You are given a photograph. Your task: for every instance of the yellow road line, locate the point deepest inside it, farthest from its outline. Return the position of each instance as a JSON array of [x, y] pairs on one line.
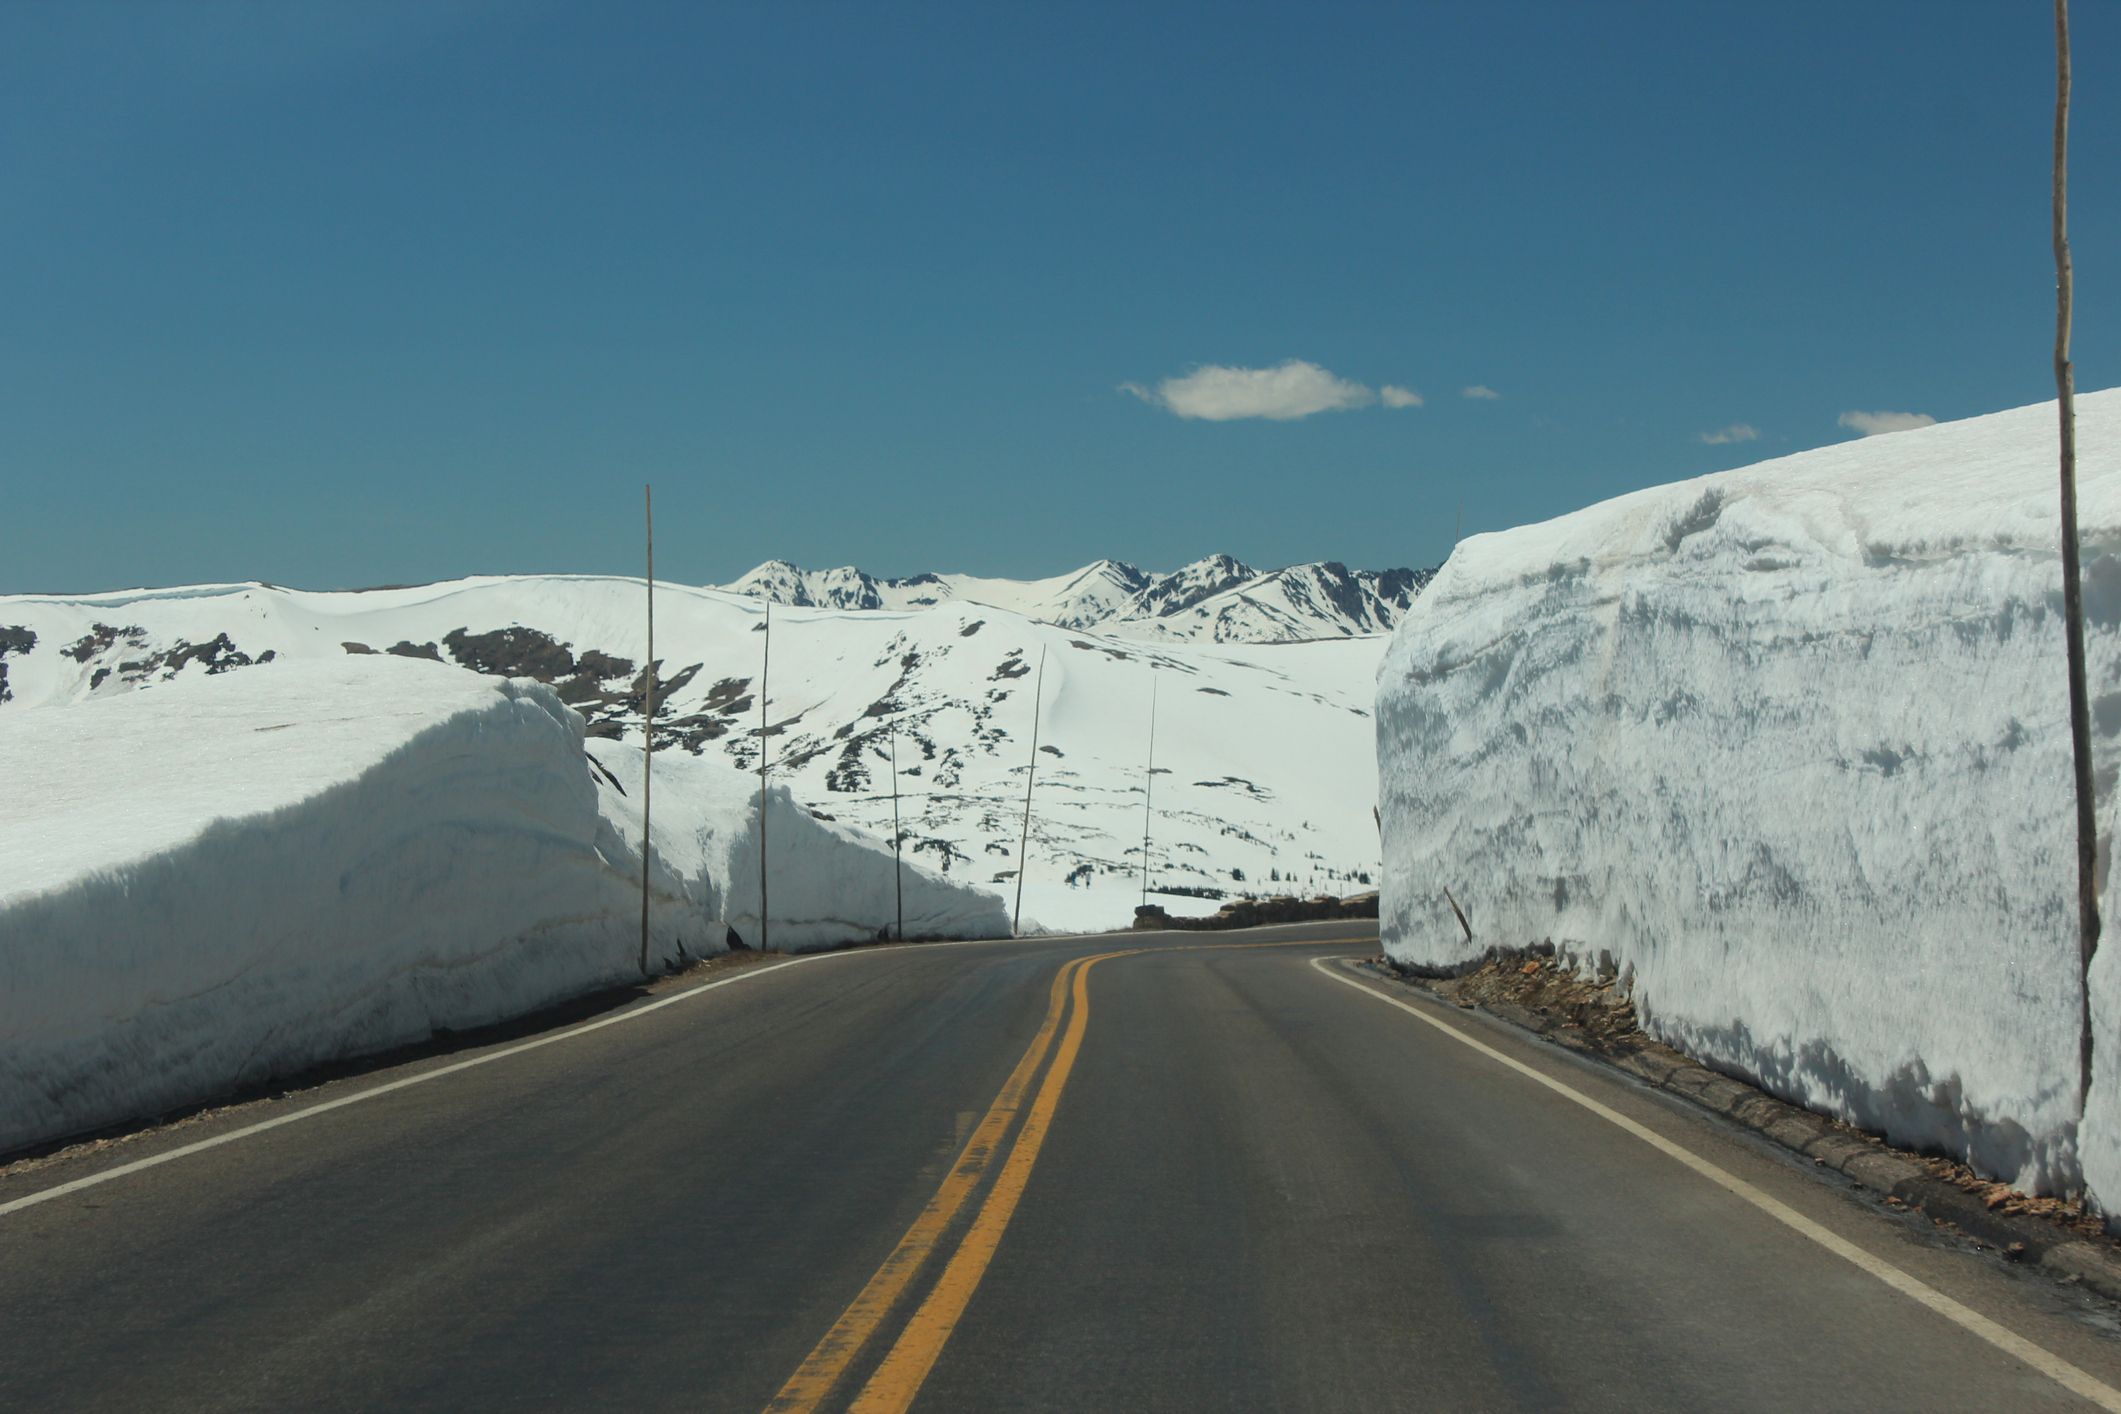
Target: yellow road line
[[311, 1112], [892, 1388], [1294, 943], [815, 1377], [2053, 1366], [899, 1378]]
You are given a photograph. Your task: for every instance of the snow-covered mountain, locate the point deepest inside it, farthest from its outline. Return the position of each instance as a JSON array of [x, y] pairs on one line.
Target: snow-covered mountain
[[1082, 599], [1215, 600], [1265, 764]]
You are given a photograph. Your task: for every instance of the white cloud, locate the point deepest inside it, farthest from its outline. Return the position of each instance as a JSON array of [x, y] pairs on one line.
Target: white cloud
[[1481, 391], [1397, 397], [1218, 394], [1736, 432], [1870, 424]]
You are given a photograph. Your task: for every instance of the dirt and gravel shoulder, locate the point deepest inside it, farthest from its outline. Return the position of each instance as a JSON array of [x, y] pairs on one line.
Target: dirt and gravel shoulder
[[1595, 1017]]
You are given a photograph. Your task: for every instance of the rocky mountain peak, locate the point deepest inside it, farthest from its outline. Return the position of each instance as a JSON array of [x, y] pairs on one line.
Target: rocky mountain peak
[[1218, 598]]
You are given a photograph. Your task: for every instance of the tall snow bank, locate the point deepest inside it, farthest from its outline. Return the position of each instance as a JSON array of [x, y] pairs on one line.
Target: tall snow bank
[[1791, 744], [225, 878], [234, 877]]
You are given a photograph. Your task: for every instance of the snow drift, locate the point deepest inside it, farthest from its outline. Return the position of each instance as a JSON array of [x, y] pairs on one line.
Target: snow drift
[[225, 878], [1791, 744]]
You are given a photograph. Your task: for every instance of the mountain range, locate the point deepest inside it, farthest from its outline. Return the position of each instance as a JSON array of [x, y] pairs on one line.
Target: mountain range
[[1214, 600]]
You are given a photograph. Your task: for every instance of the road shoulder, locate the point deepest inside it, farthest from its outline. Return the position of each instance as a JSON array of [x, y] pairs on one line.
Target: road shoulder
[[1592, 1020]]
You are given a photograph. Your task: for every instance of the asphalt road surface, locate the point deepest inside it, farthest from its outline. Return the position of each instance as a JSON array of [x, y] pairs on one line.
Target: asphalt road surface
[[1201, 1174]]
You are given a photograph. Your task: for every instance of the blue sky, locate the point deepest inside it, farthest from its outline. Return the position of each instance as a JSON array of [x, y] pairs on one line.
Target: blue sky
[[352, 294]]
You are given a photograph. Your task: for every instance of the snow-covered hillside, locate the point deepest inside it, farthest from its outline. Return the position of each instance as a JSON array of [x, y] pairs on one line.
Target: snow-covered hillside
[[1265, 766], [1790, 742], [1216, 600], [235, 875]]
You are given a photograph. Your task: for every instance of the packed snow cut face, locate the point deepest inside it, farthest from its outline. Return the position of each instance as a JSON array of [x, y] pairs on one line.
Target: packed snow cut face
[[1790, 745]]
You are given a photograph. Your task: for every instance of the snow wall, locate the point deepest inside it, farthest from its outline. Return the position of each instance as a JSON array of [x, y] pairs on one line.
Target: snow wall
[[1791, 744], [228, 878]]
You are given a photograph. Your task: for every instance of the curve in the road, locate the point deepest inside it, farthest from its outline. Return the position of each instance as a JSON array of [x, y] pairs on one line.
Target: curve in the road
[[892, 1388], [898, 1379], [1250, 1194]]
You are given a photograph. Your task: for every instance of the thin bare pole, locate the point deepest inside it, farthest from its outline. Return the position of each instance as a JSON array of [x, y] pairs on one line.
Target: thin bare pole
[[1148, 792], [765, 664], [898, 866], [2080, 724], [1023, 845], [648, 723]]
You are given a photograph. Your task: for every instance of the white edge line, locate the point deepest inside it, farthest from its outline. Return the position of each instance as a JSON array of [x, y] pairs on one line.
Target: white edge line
[[32, 1199], [2053, 1366]]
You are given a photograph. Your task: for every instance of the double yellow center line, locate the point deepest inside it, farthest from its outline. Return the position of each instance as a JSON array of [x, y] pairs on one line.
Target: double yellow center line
[[899, 1375], [898, 1378]]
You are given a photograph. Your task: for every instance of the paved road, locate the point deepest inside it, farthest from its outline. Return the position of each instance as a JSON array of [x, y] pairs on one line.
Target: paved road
[[1221, 1179]]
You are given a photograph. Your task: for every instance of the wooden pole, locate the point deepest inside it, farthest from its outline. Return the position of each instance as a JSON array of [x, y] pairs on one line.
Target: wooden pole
[[1148, 791], [1458, 913], [898, 866], [2080, 726], [1016, 923], [648, 723], [765, 745]]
